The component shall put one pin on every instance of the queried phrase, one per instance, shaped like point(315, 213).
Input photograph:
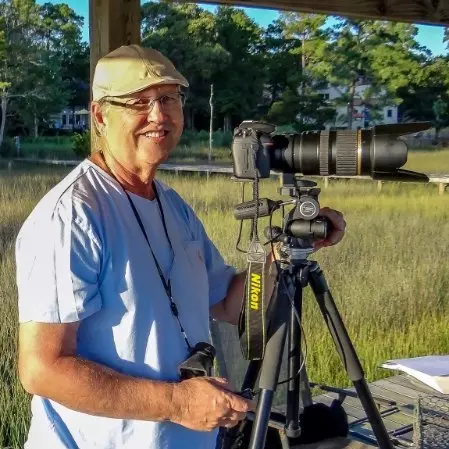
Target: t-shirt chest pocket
point(196, 266)
point(190, 287)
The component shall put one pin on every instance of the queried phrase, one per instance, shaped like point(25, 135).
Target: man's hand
point(205, 403)
point(338, 225)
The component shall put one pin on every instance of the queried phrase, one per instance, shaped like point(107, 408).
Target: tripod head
point(302, 225)
point(301, 222)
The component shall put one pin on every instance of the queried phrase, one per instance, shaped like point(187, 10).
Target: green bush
point(7, 148)
point(191, 138)
point(81, 144)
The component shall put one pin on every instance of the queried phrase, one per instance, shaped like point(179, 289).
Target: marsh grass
point(431, 161)
point(389, 276)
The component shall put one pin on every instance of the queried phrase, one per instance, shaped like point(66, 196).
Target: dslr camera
point(377, 152)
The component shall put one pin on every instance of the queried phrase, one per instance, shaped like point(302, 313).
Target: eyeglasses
point(139, 106)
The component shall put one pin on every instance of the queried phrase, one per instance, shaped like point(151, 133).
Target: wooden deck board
point(400, 390)
point(355, 412)
point(410, 382)
point(335, 443)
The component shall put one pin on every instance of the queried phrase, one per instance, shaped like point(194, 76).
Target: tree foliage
point(275, 73)
point(42, 60)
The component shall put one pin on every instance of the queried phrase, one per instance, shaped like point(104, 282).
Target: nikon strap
point(252, 323)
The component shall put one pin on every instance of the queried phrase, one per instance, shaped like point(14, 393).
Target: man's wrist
point(176, 401)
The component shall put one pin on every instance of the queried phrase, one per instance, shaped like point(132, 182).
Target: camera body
point(251, 148)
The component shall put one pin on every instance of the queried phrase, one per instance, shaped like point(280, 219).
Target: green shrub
point(191, 138)
point(81, 144)
point(7, 148)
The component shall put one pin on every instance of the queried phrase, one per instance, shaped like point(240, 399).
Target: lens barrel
point(341, 152)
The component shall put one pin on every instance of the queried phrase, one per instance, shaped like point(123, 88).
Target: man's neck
point(140, 183)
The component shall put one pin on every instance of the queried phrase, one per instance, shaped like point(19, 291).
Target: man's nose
point(156, 113)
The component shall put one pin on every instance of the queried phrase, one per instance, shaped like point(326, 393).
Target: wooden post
point(379, 186)
point(326, 182)
point(441, 188)
point(211, 123)
point(112, 23)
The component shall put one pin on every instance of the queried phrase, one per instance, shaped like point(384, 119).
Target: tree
point(186, 34)
point(384, 54)
point(440, 110)
point(239, 90)
point(18, 19)
point(281, 64)
point(427, 97)
point(297, 44)
point(37, 50)
point(61, 36)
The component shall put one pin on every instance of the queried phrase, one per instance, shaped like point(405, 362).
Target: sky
point(428, 35)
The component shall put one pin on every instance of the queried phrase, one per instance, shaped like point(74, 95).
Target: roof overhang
point(434, 12)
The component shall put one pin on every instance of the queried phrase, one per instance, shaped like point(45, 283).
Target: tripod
point(295, 272)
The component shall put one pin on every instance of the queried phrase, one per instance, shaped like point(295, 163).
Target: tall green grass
point(389, 276)
point(431, 161)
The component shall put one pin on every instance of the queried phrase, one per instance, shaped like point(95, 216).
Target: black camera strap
point(252, 323)
point(165, 282)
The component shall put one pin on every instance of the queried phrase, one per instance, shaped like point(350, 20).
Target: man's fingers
point(220, 382)
point(335, 216)
point(239, 404)
point(335, 237)
point(224, 422)
point(235, 416)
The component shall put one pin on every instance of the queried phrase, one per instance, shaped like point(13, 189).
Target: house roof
point(418, 11)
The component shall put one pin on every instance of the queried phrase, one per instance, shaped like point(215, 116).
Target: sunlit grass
point(435, 161)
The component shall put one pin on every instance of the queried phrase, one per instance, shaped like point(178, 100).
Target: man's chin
point(155, 156)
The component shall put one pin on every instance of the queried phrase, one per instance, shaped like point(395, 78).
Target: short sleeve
point(219, 273)
point(58, 261)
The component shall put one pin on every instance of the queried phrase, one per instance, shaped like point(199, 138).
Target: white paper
point(431, 370)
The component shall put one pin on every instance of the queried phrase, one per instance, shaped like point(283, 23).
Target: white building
point(362, 115)
point(77, 119)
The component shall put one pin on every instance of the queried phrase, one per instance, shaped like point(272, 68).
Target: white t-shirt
point(81, 256)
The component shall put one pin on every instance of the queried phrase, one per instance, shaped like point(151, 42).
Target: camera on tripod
point(264, 326)
point(377, 152)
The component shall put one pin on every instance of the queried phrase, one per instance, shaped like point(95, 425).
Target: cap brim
point(139, 87)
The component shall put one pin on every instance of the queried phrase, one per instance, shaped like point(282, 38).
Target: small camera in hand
point(199, 363)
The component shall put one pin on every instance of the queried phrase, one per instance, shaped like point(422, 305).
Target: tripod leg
point(347, 353)
point(271, 364)
point(304, 388)
point(292, 427)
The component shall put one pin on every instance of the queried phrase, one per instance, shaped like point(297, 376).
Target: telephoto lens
point(343, 152)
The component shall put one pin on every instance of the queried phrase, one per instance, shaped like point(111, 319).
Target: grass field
point(435, 161)
point(389, 276)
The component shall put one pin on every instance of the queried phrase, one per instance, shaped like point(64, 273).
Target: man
point(117, 278)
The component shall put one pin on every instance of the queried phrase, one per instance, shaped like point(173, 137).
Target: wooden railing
point(442, 180)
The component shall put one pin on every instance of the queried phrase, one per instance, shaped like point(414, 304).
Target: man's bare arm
point(49, 367)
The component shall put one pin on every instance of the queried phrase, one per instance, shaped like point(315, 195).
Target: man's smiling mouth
point(156, 134)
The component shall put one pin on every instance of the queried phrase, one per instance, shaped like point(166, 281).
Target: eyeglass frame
point(151, 102)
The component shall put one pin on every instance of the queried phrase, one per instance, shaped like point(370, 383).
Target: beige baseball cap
point(130, 69)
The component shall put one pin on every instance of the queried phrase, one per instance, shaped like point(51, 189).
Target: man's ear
point(98, 116)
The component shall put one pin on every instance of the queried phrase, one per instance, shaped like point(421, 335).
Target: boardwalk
point(396, 398)
point(442, 180)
